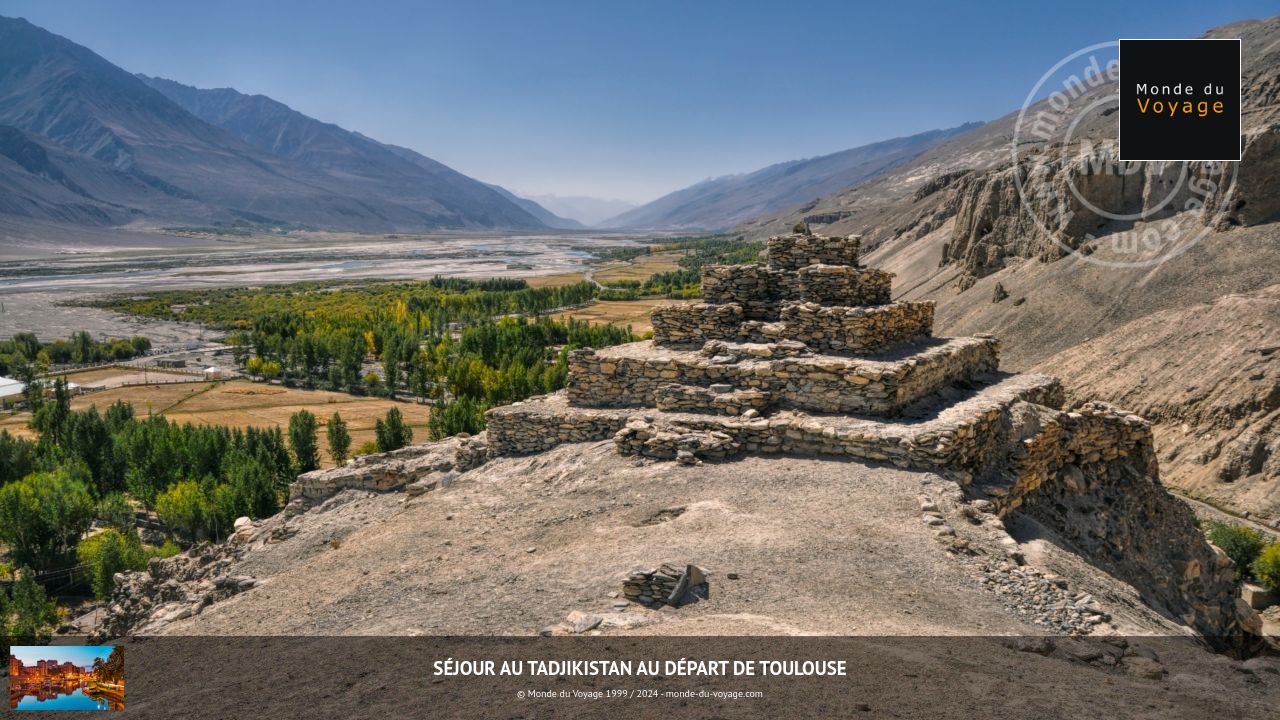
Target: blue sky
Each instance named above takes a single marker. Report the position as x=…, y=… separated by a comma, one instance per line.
x=82, y=655
x=619, y=99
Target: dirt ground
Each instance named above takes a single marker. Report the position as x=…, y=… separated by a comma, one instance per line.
x=815, y=547
x=240, y=403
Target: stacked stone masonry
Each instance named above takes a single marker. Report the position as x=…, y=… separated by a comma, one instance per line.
x=629, y=375
x=770, y=302
x=798, y=250
x=844, y=285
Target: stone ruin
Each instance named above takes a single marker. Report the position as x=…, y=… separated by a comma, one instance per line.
x=806, y=354
x=809, y=355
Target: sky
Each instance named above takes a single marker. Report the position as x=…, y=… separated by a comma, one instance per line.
x=626, y=100
x=81, y=655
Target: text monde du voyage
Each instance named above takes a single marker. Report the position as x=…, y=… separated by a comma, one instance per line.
x=1181, y=99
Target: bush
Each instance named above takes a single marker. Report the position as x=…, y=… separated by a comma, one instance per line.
x=183, y=508
x=28, y=612
x=1241, y=544
x=461, y=415
x=115, y=510
x=1266, y=568
x=108, y=553
x=368, y=447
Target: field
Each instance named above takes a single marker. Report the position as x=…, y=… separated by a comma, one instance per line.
x=639, y=268
x=240, y=403
x=619, y=312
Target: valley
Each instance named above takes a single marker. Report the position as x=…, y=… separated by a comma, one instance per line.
x=265, y=376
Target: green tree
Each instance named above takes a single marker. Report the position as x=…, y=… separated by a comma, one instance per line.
x=302, y=440
x=42, y=517
x=184, y=509
x=34, y=613
x=108, y=553
x=114, y=510
x=464, y=414
x=392, y=433
x=339, y=439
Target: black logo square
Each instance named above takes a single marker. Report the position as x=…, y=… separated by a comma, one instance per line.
x=1180, y=100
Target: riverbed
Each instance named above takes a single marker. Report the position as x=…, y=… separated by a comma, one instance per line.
x=33, y=291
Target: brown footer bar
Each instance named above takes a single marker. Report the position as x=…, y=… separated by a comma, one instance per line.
x=699, y=677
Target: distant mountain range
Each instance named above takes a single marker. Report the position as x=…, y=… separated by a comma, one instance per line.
x=590, y=211
x=84, y=142
x=726, y=201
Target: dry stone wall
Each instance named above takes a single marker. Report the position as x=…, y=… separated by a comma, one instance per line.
x=1091, y=476
x=844, y=285
x=695, y=323
x=798, y=250
x=759, y=289
x=842, y=330
x=541, y=423
x=609, y=378
x=720, y=400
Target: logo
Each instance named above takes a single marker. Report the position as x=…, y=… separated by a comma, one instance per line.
x=1180, y=100
x=1109, y=211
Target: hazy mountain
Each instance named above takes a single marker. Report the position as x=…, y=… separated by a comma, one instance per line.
x=547, y=217
x=367, y=165
x=101, y=146
x=587, y=210
x=726, y=201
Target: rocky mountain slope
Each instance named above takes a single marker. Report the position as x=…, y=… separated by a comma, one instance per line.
x=372, y=168
x=1208, y=375
x=726, y=201
x=952, y=226
x=128, y=152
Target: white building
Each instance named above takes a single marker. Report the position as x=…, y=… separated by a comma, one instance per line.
x=10, y=391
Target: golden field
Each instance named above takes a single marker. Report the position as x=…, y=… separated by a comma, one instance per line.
x=240, y=403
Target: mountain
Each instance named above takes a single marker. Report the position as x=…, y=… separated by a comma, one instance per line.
x=544, y=215
x=367, y=165
x=102, y=146
x=726, y=201
x=1188, y=342
x=590, y=211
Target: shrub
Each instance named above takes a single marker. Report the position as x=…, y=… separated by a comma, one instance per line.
x=183, y=508
x=368, y=447
x=463, y=414
x=114, y=510
x=1241, y=544
x=1266, y=568
x=108, y=553
x=34, y=614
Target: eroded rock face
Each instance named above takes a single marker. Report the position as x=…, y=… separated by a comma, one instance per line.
x=1065, y=202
